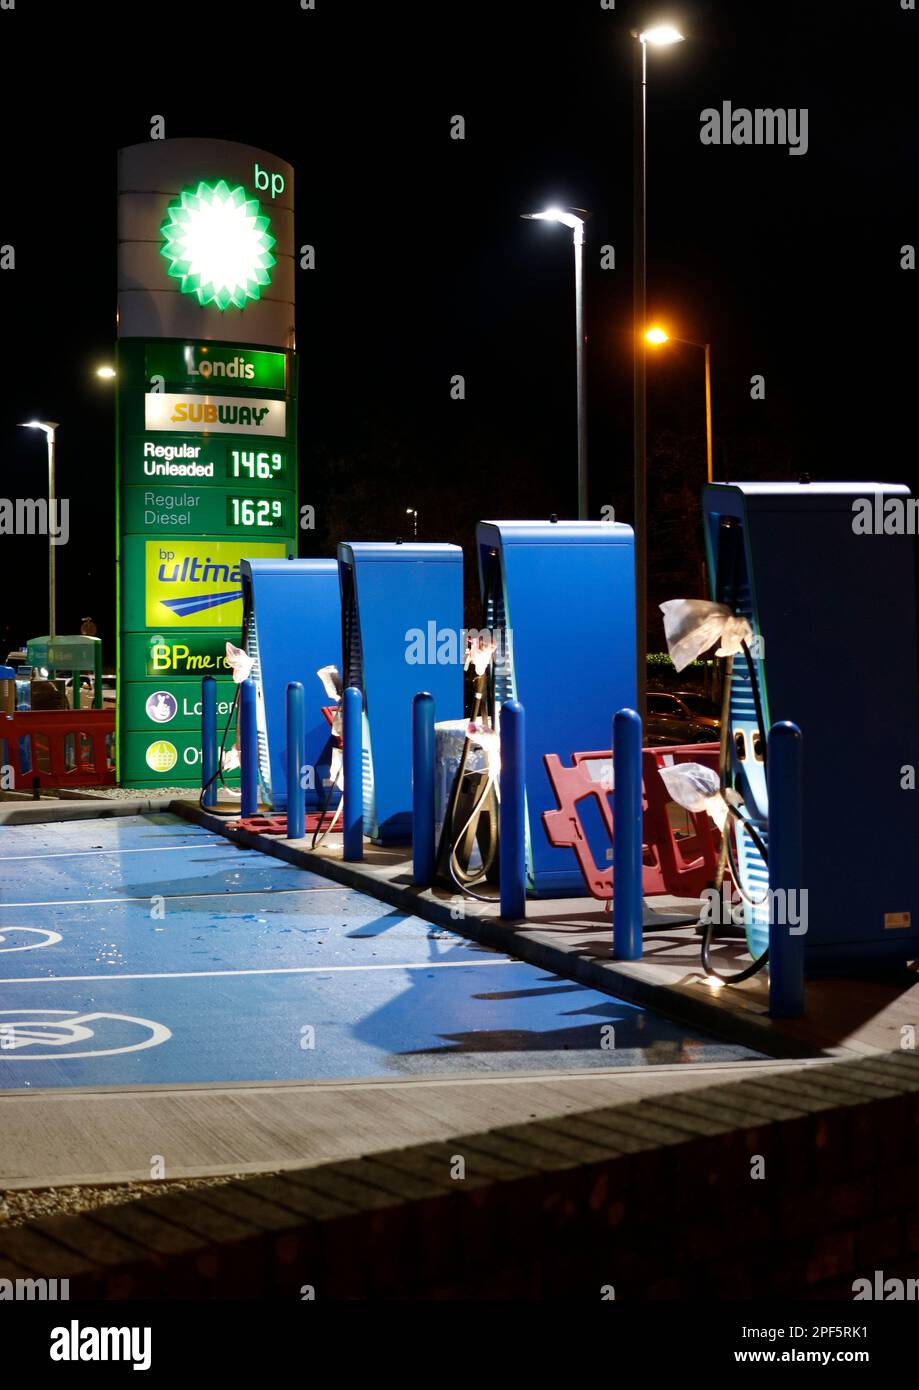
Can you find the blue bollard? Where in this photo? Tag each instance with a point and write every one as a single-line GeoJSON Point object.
{"type": "Point", "coordinates": [512, 811]}
{"type": "Point", "coordinates": [352, 738]}
{"type": "Point", "coordinates": [296, 793]}
{"type": "Point", "coordinates": [209, 742]}
{"type": "Point", "coordinates": [248, 749]}
{"type": "Point", "coordinates": [628, 900]}
{"type": "Point", "coordinates": [423, 790]}
{"type": "Point", "coordinates": [786, 869]}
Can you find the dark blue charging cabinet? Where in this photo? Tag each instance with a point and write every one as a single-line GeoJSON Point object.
{"type": "Point", "coordinates": [836, 651]}
{"type": "Point", "coordinates": [402, 632]}
{"type": "Point", "coordinates": [292, 617]}
{"type": "Point", "coordinates": [561, 598]}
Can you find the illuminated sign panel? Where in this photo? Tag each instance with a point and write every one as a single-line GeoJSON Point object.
{"type": "Point", "coordinates": [175, 655]}
{"type": "Point", "coordinates": [212, 414]}
{"type": "Point", "coordinates": [199, 583]}
{"type": "Point", "coordinates": [205, 364]}
{"type": "Point", "coordinates": [166, 707]}
{"type": "Point", "coordinates": [191, 511]}
{"type": "Point", "coordinates": [204, 462]}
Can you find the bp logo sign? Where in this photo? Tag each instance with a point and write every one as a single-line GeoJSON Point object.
{"type": "Point", "coordinates": [162, 756]}
{"type": "Point", "coordinates": [218, 245]}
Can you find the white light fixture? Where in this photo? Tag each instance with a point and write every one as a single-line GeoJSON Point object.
{"type": "Point", "coordinates": [106, 373]}
{"type": "Point", "coordinates": [568, 219]}
{"type": "Point", "coordinates": [661, 35]}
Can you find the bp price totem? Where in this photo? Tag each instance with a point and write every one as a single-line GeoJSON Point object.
{"type": "Point", "coordinates": [207, 429]}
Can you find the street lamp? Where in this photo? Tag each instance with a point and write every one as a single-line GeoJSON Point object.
{"type": "Point", "coordinates": [413, 513]}
{"type": "Point", "coordinates": [657, 336]}
{"type": "Point", "coordinates": [49, 427]}
{"type": "Point", "coordinates": [575, 221]}
{"type": "Point", "coordinates": [658, 36]}
{"type": "Point", "coordinates": [106, 373]}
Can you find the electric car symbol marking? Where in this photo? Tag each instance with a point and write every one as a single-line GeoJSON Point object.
{"type": "Point", "coordinates": [51, 939]}
{"type": "Point", "coordinates": [59, 1028]}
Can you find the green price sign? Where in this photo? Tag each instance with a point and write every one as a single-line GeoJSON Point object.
{"type": "Point", "coordinates": [256, 465]}
{"type": "Point", "coordinates": [257, 513]}
{"type": "Point", "coordinates": [199, 512]}
{"type": "Point", "coordinates": [151, 460]}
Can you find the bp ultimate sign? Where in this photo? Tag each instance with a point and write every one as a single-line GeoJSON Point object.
{"type": "Point", "coordinates": [207, 428]}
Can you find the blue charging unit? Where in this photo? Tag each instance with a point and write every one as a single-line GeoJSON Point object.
{"type": "Point", "coordinates": [402, 632]}
{"type": "Point", "coordinates": [292, 628]}
{"type": "Point", "coordinates": [560, 597]}
{"type": "Point", "coordinates": [836, 651]}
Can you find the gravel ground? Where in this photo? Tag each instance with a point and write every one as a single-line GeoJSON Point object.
{"type": "Point", "coordinates": [132, 793]}
{"type": "Point", "coordinates": [18, 1208]}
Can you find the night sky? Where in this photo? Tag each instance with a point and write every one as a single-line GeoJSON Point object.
{"type": "Point", "coordinates": [789, 265]}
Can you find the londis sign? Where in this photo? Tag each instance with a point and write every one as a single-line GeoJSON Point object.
{"type": "Point", "coordinates": [203, 364]}
{"type": "Point", "coordinates": [168, 410]}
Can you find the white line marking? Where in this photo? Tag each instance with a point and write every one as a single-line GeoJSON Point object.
{"type": "Point", "coordinates": [146, 849]}
{"type": "Point", "coordinates": [278, 970]}
{"type": "Point", "coordinates": [177, 897]}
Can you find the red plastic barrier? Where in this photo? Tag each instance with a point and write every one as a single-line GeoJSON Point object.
{"type": "Point", "coordinates": [66, 748]}
{"type": "Point", "coordinates": [682, 866]}
{"type": "Point", "coordinates": [275, 823]}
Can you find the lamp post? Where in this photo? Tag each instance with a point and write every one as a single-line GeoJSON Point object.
{"type": "Point", "coordinates": [659, 36]}
{"type": "Point", "coordinates": [49, 427]}
{"type": "Point", "coordinates": [657, 336]}
{"type": "Point", "coordinates": [413, 513]}
{"type": "Point", "coordinates": [575, 219]}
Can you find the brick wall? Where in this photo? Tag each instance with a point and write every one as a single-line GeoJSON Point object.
{"type": "Point", "coordinates": [655, 1199]}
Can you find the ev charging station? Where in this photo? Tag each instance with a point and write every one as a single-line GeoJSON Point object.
{"type": "Point", "coordinates": [402, 632]}
{"type": "Point", "coordinates": [560, 599]}
{"type": "Point", "coordinates": [836, 651]}
{"type": "Point", "coordinates": [291, 629]}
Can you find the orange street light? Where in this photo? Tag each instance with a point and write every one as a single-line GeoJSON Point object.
{"type": "Point", "coordinates": [657, 336]}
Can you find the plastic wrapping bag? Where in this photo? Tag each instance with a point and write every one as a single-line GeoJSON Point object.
{"type": "Point", "coordinates": [239, 662]}
{"type": "Point", "coordinates": [692, 625]}
{"type": "Point", "coordinates": [696, 788]}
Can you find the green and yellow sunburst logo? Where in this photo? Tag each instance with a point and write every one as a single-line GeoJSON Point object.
{"type": "Point", "coordinates": [218, 245]}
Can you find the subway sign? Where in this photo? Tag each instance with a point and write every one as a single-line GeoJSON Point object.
{"type": "Point", "coordinates": [211, 414]}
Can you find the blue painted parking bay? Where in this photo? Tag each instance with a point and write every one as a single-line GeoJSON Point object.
{"type": "Point", "coordinates": [140, 950]}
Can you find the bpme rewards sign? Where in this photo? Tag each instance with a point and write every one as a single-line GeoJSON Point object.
{"type": "Point", "coordinates": [206, 430]}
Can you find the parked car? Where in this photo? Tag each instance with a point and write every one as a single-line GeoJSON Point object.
{"type": "Point", "coordinates": [661, 730]}
{"type": "Point", "coordinates": [685, 704]}
{"type": "Point", "coordinates": [86, 692]}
